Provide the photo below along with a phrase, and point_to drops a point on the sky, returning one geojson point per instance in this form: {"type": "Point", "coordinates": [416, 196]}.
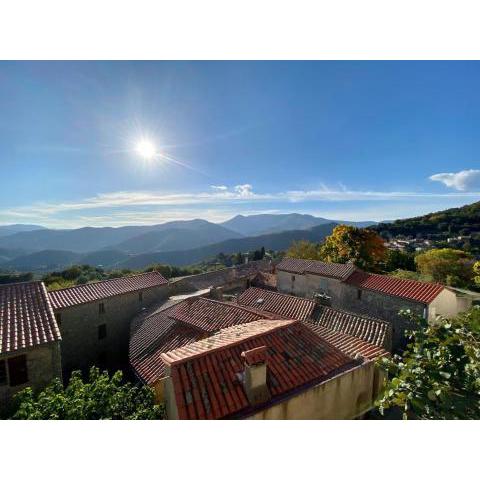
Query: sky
{"type": "Point", "coordinates": [341, 140]}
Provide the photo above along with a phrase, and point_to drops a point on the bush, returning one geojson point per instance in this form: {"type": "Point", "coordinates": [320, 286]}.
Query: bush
{"type": "Point", "coordinates": [101, 397]}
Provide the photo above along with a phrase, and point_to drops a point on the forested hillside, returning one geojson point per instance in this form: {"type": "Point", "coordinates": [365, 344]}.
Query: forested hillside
{"type": "Point", "coordinates": [441, 225]}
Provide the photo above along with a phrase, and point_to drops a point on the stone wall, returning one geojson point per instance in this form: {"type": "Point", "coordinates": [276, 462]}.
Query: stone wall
{"type": "Point", "coordinates": [43, 365]}
{"type": "Point", "coordinates": [385, 307]}
{"type": "Point", "coordinates": [79, 326]}
{"type": "Point", "coordinates": [346, 297]}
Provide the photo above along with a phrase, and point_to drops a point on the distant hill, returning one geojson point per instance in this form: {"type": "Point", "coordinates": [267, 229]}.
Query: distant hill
{"type": "Point", "coordinates": [57, 259]}
{"type": "Point", "coordinates": [250, 225]}
{"type": "Point", "coordinates": [44, 261]}
{"type": "Point", "coordinates": [18, 227]}
{"type": "Point", "coordinates": [454, 221]}
{"type": "Point", "coordinates": [180, 236]}
{"type": "Point", "coordinates": [272, 223]}
{"type": "Point", "coordinates": [79, 240]}
{"type": "Point", "coordinates": [87, 239]}
{"type": "Point", "coordinates": [274, 241]}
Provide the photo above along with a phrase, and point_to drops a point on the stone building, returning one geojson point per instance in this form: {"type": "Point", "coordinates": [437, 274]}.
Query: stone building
{"type": "Point", "coordinates": [178, 325]}
{"type": "Point", "coordinates": [373, 330]}
{"type": "Point", "coordinates": [268, 369]}
{"type": "Point", "coordinates": [29, 340]}
{"type": "Point", "coordinates": [94, 319]}
{"type": "Point", "coordinates": [343, 286]}
{"type": "Point", "coordinates": [225, 280]}
{"type": "Point", "coordinates": [344, 390]}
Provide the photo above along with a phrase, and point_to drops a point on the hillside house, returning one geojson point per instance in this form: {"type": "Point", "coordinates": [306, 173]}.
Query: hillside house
{"type": "Point", "coordinates": [29, 340]}
{"type": "Point", "coordinates": [344, 286]}
{"type": "Point", "coordinates": [94, 319]}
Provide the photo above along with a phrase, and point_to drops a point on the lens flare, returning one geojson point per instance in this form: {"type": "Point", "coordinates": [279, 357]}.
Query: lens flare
{"type": "Point", "coordinates": [146, 149]}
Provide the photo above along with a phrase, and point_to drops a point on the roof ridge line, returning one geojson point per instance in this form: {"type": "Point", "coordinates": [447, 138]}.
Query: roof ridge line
{"type": "Point", "coordinates": [106, 281]}
{"type": "Point", "coordinates": [273, 292]}
{"type": "Point", "coordinates": [286, 323]}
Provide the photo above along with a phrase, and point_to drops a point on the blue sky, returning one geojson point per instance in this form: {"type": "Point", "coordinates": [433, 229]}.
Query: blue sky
{"type": "Point", "coordinates": [342, 140]}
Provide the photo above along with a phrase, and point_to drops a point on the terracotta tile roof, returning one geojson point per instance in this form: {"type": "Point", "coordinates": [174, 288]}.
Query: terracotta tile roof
{"type": "Point", "coordinates": [90, 292]}
{"type": "Point", "coordinates": [207, 375]}
{"type": "Point", "coordinates": [372, 330]}
{"type": "Point", "coordinates": [294, 265]}
{"type": "Point", "coordinates": [339, 271]}
{"type": "Point", "coordinates": [26, 317]}
{"type": "Point", "coordinates": [350, 345]}
{"type": "Point", "coordinates": [211, 315]}
{"type": "Point", "coordinates": [284, 305]}
{"type": "Point", "coordinates": [409, 289]}
{"type": "Point", "coordinates": [158, 333]}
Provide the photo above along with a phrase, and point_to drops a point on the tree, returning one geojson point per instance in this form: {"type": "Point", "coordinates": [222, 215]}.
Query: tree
{"type": "Point", "coordinates": [446, 265]}
{"type": "Point", "coordinates": [397, 260]}
{"type": "Point", "coordinates": [476, 271]}
{"type": "Point", "coordinates": [303, 249]}
{"type": "Point", "coordinates": [363, 247]}
{"type": "Point", "coordinates": [102, 397]}
{"type": "Point", "coordinates": [238, 258]}
{"type": "Point", "coordinates": [438, 375]}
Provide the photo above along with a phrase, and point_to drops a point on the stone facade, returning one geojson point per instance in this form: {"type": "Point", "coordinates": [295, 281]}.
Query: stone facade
{"type": "Point", "coordinates": [43, 365]}
{"type": "Point", "coordinates": [93, 334]}
{"type": "Point", "coordinates": [369, 302]}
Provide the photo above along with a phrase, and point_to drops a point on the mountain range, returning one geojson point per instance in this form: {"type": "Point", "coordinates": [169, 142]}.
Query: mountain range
{"type": "Point", "coordinates": [180, 242]}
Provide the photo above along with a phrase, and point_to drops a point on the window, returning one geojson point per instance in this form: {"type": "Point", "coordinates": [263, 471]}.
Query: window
{"type": "Point", "coordinates": [102, 331]}
{"type": "Point", "coordinates": [101, 308]}
{"type": "Point", "coordinates": [293, 278]}
{"type": "Point", "coordinates": [58, 318]}
{"type": "Point", "coordinates": [140, 296]}
{"type": "Point", "coordinates": [3, 372]}
{"type": "Point", "coordinates": [17, 370]}
{"type": "Point", "coordinates": [102, 360]}
{"type": "Point", "coordinates": [359, 294]}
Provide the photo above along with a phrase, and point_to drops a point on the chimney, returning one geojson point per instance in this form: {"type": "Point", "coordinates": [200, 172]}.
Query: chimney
{"type": "Point", "coordinates": [255, 376]}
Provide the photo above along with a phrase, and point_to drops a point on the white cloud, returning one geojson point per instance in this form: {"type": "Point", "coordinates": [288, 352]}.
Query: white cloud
{"type": "Point", "coordinates": [245, 190]}
{"type": "Point", "coordinates": [465, 180]}
{"type": "Point", "coordinates": [146, 207]}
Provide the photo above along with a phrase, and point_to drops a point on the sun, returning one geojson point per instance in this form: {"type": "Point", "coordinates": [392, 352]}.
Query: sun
{"type": "Point", "coordinates": [146, 149]}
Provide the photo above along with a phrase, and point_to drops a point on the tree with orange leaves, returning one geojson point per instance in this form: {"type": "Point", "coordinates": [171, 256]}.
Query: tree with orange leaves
{"type": "Point", "coordinates": [360, 246]}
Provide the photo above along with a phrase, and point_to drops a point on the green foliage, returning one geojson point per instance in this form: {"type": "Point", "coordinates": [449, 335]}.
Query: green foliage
{"type": "Point", "coordinates": [14, 278]}
{"type": "Point", "coordinates": [438, 375]}
{"type": "Point", "coordinates": [304, 249]}
{"type": "Point", "coordinates": [397, 260]}
{"type": "Point", "coordinates": [455, 221]}
{"type": "Point", "coordinates": [447, 266]}
{"type": "Point", "coordinates": [102, 397]}
{"type": "Point", "coordinates": [408, 275]}
{"type": "Point", "coordinates": [170, 271]}
{"type": "Point", "coordinates": [476, 272]}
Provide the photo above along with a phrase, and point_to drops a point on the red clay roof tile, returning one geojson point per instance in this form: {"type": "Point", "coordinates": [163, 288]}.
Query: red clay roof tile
{"type": "Point", "coordinates": [211, 315]}
{"type": "Point", "coordinates": [372, 330]}
{"type": "Point", "coordinates": [91, 292]}
{"type": "Point", "coordinates": [409, 289]}
{"type": "Point", "coordinates": [348, 344]}
{"type": "Point", "coordinates": [281, 304]}
{"type": "Point", "coordinates": [339, 271]}
{"type": "Point", "coordinates": [26, 317]}
{"type": "Point", "coordinates": [157, 333]}
{"type": "Point", "coordinates": [206, 375]}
